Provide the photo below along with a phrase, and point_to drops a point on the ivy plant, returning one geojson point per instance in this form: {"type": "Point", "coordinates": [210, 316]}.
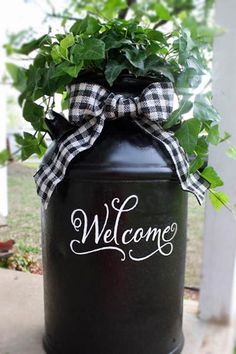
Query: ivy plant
{"type": "Point", "coordinates": [103, 41]}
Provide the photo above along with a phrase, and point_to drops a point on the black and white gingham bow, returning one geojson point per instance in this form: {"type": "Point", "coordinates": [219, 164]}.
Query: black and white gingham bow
{"type": "Point", "coordinates": [90, 105]}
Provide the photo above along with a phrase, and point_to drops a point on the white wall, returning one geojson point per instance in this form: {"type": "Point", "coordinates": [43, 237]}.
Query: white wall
{"type": "Point", "coordinates": [220, 227]}
{"type": "Point", "coordinates": [3, 118]}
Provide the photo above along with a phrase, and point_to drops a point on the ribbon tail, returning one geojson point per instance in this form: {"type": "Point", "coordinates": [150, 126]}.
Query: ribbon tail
{"type": "Point", "coordinates": [50, 174]}
{"type": "Point", "coordinates": [193, 183]}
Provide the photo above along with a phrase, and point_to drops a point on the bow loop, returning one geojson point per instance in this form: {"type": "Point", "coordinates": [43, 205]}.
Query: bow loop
{"type": "Point", "coordinates": [85, 100]}
{"type": "Point", "coordinates": [157, 101]}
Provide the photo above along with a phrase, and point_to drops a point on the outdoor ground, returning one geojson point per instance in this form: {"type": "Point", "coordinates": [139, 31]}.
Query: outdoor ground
{"type": "Point", "coordinates": [24, 221]}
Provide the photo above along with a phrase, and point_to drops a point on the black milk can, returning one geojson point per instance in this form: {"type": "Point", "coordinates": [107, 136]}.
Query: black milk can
{"type": "Point", "coordinates": [114, 242]}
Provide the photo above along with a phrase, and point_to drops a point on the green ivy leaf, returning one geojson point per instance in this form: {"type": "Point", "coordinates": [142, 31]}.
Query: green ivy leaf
{"type": "Point", "coordinates": [79, 26]}
{"type": "Point", "coordinates": [64, 53]}
{"type": "Point", "coordinates": [204, 111]}
{"type": "Point", "coordinates": [40, 60]}
{"type": "Point", "coordinates": [52, 84]}
{"type": "Point", "coordinates": [39, 125]}
{"type": "Point", "coordinates": [156, 36]}
{"type": "Point", "coordinates": [195, 164]}
{"type": "Point", "coordinates": [184, 45]}
{"type": "Point", "coordinates": [59, 53]}
{"type": "Point", "coordinates": [218, 198]}
{"type": "Point", "coordinates": [113, 70]}
{"type": "Point", "coordinates": [32, 112]}
{"type": "Point", "coordinates": [225, 137]}
{"type": "Point", "coordinates": [29, 47]}
{"type": "Point", "coordinates": [195, 64]}
{"type": "Point", "coordinates": [185, 107]}
{"type": "Point", "coordinates": [34, 84]}
{"type": "Point", "coordinates": [187, 134]}
{"type": "Point", "coordinates": [18, 75]}
{"type": "Point", "coordinates": [201, 148]}
{"type": "Point", "coordinates": [165, 71]}
{"type": "Point", "coordinates": [231, 152]}
{"type": "Point", "coordinates": [136, 57]}
{"type": "Point", "coordinates": [153, 65]}
{"type": "Point", "coordinates": [112, 42]}
{"type": "Point", "coordinates": [112, 7]}
{"type": "Point", "coordinates": [91, 49]}
{"type": "Point", "coordinates": [213, 134]}
{"type": "Point", "coordinates": [56, 55]}
{"type": "Point", "coordinates": [60, 36]}
{"type": "Point", "coordinates": [212, 177]}
{"type": "Point", "coordinates": [68, 41]}
{"type": "Point", "coordinates": [162, 12]}
{"type": "Point", "coordinates": [93, 25]}
{"type": "Point", "coordinates": [19, 139]}
{"type": "Point", "coordinates": [73, 70]}
{"type": "Point", "coordinates": [68, 68]}
{"type": "Point", "coordinates": [187, 80]}
{"type": "Point", "coordinates": [29, 145]}
{"type": "Point", "coordinates": [155, 48]}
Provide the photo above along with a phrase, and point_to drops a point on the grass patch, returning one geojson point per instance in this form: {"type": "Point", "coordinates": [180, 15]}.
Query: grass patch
{"type": "Point", "coordinates": [194, 243]}
{"type": "Point", "coordinates": [24, 208]}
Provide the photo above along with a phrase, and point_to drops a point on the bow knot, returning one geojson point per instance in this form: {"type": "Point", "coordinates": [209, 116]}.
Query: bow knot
{"type": "Point", "coordinates": [118, 106]}
{"type": "Point", "coordinates": [86, 99]}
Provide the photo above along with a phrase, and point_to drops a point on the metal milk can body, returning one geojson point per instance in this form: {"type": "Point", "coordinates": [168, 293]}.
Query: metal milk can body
{"type": "Point", "coordinates": [114, 240]}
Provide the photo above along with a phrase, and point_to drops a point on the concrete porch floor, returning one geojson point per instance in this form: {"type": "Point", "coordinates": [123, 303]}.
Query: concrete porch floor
{"type": "Point", "coordinates": [21, 320]}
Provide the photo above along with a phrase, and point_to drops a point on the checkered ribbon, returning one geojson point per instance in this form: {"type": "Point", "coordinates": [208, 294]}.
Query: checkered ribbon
{"type": "Point", "coordinates": [90, 105]}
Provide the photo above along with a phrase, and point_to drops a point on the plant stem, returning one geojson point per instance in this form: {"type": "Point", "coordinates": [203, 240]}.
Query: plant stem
{"type": "Point", "coordinates": [22, 59]}
{"type": "Point", "coordinates": [42, 138]}
{"type": "Point", "coordinates": [63, 17]}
